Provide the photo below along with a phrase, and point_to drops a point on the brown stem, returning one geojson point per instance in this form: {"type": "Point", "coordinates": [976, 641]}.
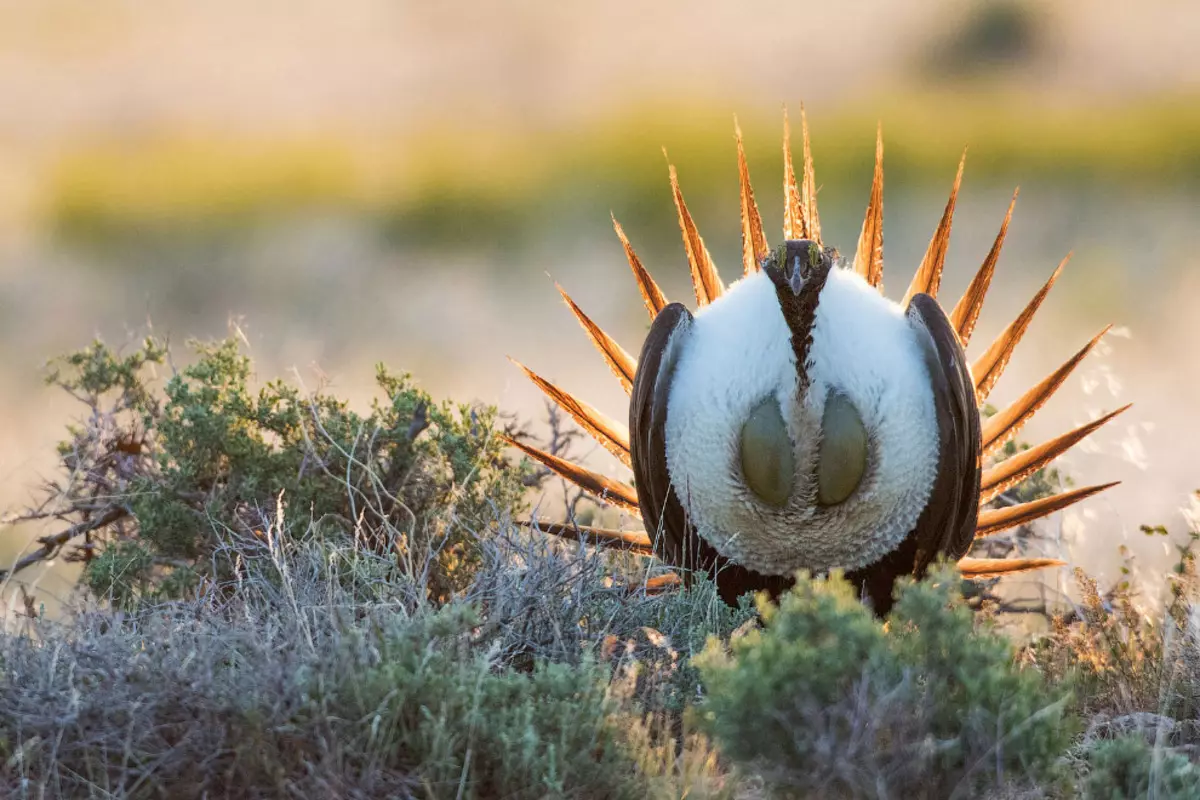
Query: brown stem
{"type": "Point", "coordinates": [51, 544]}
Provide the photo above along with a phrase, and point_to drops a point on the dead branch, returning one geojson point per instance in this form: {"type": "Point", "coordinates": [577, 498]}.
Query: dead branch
{"type": "Point", "coordinates": [53, 543]}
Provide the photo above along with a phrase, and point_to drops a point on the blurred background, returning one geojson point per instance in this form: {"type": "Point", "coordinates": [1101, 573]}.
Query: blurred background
{"type": "Point", "coordinates": [381, 180]}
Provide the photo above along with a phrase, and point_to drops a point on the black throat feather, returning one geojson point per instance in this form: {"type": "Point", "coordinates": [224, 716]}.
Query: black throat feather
{"type": "Point", "coordinates": [799, 268]}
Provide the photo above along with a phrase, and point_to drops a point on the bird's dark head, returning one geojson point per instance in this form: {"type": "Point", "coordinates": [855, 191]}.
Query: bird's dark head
{"type": "Point", "coordinates": [799, 269]}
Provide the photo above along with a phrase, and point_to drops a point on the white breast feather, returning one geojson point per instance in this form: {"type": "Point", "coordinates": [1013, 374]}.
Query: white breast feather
{"type": "Point", "coordinates": [738, 353]}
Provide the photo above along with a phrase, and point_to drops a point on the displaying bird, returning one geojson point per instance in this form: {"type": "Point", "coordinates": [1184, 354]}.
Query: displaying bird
{"type": "Point", "coordinates": [799, 419]}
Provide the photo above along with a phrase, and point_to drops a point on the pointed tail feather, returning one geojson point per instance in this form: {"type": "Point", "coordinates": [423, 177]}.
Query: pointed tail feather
{"type": "Point", "coordinates": [1016, 468]}
{"type": "Point", "coordinates": [633, 541]}
{"type": "Point", "coordinates": [623, 365]}
{"type": "Point", "coordinates": [808, 189]}
{"type": "Point", "coordinates": [652, 296]}
{"type": "Point", "coordinates": [795, 225]}
{"type": "Point", "coordinates": [705, 279]}
{"type": "Point", "coordinates": [928, 278]}
{"type": "Point", "coordinates": [754, 241]}
{"type": "Point", "coordinates": [997, 520]}
{"type": "Point", "coordinates": [604, 488]}
{"type": "Point", "coordinates": [977, 568]}
{"type": "Point", "coordinates": [660, 583]}
{"type": "Point", "coordinates": [966, 310]}
{"type": "Point", "coordinates": [990, 366]}
{"type": "Point", "coordinates": [1002, 426]}
{"type": "Point", "coordinates": [868, 257]}
{"type": "Point", "coordinates": [612, 435]}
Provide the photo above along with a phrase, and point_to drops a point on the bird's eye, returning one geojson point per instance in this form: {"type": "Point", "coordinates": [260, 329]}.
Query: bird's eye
{"type": "Point", "coordinates": [843, 452]}
{"type": "Point", "coordinates": [768, 464]}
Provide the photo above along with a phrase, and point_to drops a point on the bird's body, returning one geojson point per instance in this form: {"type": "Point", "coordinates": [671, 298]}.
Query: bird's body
{"type": "Point", "coordinates": [800, 420]}
{"type": "Point", "coordinates": [736, 355]}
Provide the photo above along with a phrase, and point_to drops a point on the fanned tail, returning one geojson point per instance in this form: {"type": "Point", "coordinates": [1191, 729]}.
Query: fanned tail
{"type": "Point", "coordinates": [801, 220]}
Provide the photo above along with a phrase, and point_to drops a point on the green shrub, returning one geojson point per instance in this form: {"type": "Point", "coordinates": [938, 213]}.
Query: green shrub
{"type": "Point", "coordinates": [463, 729]}
{"type": "Point", "coordinates": [156, 480]}
{"type": "Point", "coordinates": [827, 701]}
{"type": "Point", "coordinates": [1129, 768]}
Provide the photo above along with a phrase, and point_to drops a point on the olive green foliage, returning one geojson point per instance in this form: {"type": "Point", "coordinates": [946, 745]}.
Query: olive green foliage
{"type": "Point", "coordinates": [209, 458]}
{"type": "Point", "coordinates": [450, 719]}
{"type": "Point", "coordinates": [1129, 768]}
{"type": "Point", "coordinates": [824, 701]}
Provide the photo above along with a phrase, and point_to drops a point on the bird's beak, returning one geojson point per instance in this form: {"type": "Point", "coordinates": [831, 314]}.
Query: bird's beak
{"type": "Point", "coordinates": [795, 277]}
{"type": "Point", "coordinates": [804, 261]}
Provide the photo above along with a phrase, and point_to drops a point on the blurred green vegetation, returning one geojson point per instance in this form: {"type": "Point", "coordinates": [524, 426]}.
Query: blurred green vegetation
{"type": "Point", "coordinates": [455, 184]}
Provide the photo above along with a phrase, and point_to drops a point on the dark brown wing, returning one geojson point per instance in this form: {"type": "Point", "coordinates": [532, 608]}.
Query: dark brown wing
{"type": "Point", "coordinates": [947, 525]}
{"type": "Point", "coordinates": [674, 539]}
{"type": "Point", "coordinates": [662, 513]}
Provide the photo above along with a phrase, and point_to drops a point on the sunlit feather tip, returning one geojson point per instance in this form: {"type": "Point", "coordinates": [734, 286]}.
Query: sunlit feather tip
{"type": "Point", "coordinates": [705, 280]}
{"type": "Point", "coordinates": [623, 365]}
{"type": "Point", "coordinates": [979, 568]}
{"type": "Point", "coordinates": [808, 189]}
{"type": "Point", "coordinates": [794, 224]}
{"type": "Point", "coordinates": [928, 278]}
{"type": "Point", "coordinates": [596, 484]}
{"type": "Point", "coordinates": [966, 310]}
{"type": "Point", "coordinates": [633, 541]}
{"type": "Point", "coordinates": [1004, 425]}
{"type": "Point", "coordinates": [1019, 466]}
{"type": "Point", "coordinates": [652, 296]}
{"type": "Point", "coordinates": [868, 257]}
{"type": "Point", "coordinates": [754, 241]}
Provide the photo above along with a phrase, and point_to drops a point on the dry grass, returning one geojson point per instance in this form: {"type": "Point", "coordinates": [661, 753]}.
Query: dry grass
{"type": "Point", "coordinates": [323, 672]}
